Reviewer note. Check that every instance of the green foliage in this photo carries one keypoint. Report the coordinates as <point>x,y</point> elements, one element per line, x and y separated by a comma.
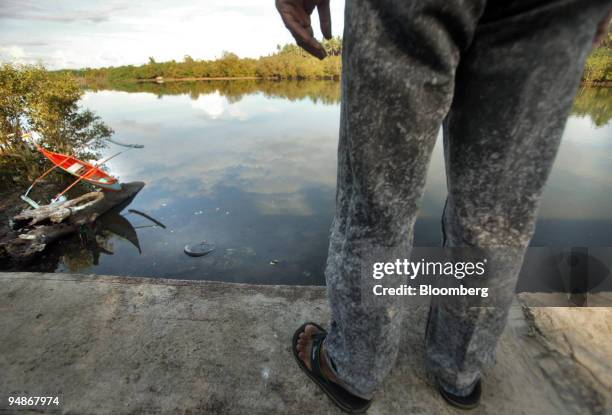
<point>289,62</point>
<point>333,46</point>
<point>595,103</point>
<point>598,66</point>
<point>33,99</point>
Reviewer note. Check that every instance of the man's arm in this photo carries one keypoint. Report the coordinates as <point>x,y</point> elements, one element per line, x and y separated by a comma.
<point>296,16</point>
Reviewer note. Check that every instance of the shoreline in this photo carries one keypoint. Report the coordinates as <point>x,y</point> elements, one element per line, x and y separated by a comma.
<point>198,78</point>
<point>254,78</point>
<point>227,78</point>
<point>596,83</point>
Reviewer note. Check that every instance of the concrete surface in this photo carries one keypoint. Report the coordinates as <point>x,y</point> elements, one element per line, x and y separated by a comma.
<point>130,345</point>
<point>583,334</point>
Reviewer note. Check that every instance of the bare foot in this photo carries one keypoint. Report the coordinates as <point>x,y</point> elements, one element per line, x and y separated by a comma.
<point>304,346</point>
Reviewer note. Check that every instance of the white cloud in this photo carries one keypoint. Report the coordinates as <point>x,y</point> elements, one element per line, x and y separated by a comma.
<point>216,106</point>
<point>14,54</point>
<point>213,105</point>
<point>122,32</point>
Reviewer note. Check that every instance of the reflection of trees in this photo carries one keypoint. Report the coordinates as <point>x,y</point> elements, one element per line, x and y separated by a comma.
<point>85,252</point>
<point>79,252</point>
<point>596,103</point>
<point>77,259</point>
<point>326,92</point>
<point>76,252</point>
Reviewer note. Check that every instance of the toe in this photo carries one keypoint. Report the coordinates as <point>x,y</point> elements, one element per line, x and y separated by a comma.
<point>310,330</point>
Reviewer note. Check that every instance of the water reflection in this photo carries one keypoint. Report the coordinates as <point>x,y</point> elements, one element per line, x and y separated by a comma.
<point>594,103</point>
<point>250,167</point>
<point>325,92</point>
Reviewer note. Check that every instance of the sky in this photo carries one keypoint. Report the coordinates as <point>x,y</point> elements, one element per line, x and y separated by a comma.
<point>89,33</point>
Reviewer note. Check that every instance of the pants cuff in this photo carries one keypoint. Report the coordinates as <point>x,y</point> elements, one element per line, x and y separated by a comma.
<point>340,381</point>
<point>455,390</point>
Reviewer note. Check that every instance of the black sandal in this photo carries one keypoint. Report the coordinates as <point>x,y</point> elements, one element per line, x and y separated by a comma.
<point>340,396</point>
<point>463,402</point>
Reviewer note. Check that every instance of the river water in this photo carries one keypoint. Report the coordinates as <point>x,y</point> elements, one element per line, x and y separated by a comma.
<point>250,167</point>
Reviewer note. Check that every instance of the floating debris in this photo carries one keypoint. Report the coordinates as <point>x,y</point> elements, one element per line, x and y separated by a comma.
<point>155,221</point>
<point>124,144</point>
<point>274,262</point>
<point>199,249</point>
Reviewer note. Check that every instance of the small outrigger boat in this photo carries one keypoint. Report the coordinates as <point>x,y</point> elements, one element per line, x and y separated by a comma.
<point>81,169</point>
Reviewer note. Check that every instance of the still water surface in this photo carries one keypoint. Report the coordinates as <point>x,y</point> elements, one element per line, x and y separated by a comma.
<point>251,167</point>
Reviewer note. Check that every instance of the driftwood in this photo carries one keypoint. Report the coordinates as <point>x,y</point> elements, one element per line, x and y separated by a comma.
<point>52,222</point>
<point>57,212</point>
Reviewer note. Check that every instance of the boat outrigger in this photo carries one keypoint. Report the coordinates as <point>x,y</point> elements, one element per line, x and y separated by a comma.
<point>81,169</point>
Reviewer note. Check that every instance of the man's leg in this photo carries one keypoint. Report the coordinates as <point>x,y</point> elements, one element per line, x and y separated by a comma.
<point>514,90</point>
<point>399,60</point>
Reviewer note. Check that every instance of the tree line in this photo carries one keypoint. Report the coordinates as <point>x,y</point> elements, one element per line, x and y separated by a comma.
<point>288,62</point>
<point>31,98</point>
<point>598,66</point>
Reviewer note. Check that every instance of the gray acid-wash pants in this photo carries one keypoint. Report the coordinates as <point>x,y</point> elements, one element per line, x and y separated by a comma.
<point>501,75</point>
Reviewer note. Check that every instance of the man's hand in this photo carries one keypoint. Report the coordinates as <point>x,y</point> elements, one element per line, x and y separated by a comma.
<point>296,16</point>
<point>602,29</point>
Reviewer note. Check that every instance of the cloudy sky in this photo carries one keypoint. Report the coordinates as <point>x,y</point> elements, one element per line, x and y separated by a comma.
<point>81,33</point>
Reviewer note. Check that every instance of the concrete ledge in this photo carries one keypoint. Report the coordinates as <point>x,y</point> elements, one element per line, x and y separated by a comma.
<point>135,345</point>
